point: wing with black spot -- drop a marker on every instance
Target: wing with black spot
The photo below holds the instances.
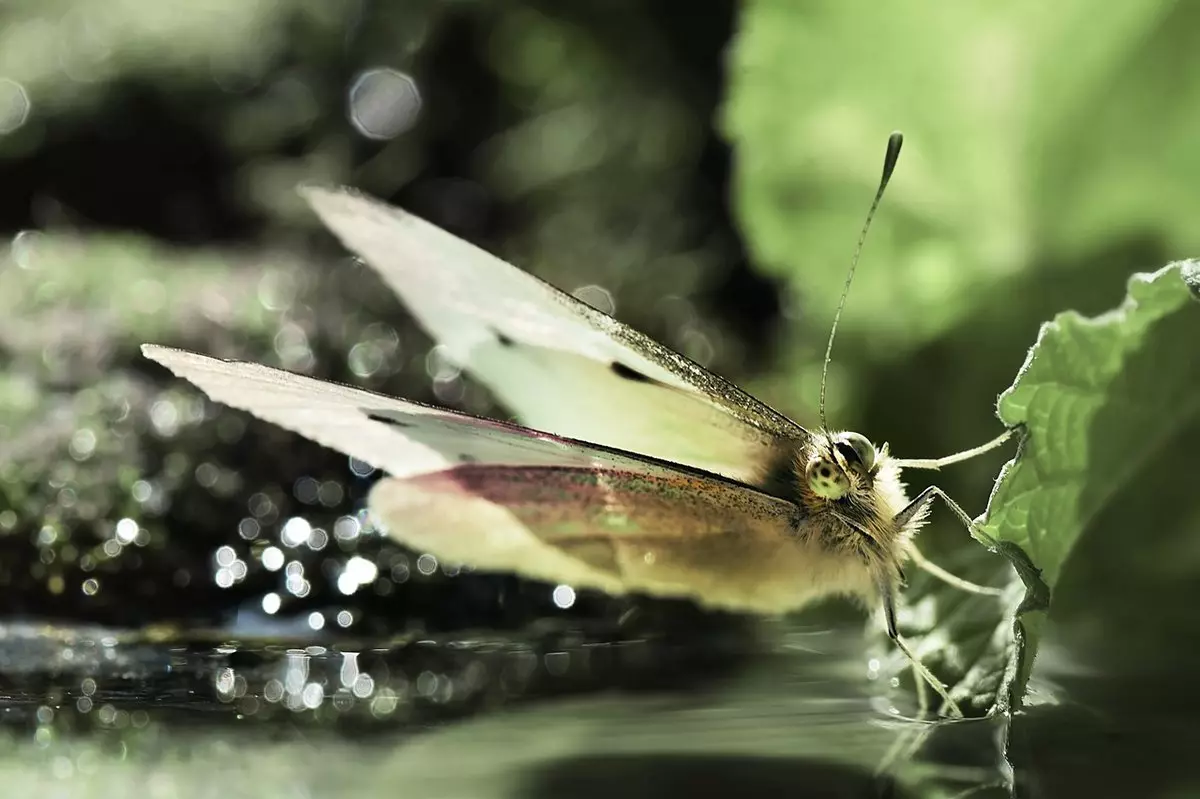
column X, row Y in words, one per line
column 557, row 363
column 400, row 437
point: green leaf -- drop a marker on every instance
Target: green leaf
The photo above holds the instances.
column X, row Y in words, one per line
column 1099, row 400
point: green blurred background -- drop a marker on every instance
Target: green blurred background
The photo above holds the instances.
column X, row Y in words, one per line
column 704, row 168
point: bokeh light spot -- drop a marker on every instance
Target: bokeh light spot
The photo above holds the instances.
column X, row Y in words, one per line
column 563, row 596
column 383, row 103
column 14, row 105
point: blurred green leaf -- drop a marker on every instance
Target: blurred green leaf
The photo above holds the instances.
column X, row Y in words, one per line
column 1100, row 399
column 1037, row 135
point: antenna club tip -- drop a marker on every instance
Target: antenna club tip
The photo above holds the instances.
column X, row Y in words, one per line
column 889, row 163
column 895, row 142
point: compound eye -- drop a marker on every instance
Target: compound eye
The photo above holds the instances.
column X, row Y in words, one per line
column 826, row 479
column 855, row 447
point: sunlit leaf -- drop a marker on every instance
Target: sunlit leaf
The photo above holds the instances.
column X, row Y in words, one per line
column 1100, row 400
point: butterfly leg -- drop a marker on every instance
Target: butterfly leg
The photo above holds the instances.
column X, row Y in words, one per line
column 919, row 668
column 948, row 578
column 916, row 508
column 958, row 457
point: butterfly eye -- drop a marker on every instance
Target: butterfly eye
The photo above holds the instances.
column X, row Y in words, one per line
column 855, row 447
column 826, row 479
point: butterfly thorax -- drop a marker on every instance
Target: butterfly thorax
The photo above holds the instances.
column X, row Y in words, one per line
column 850, row 493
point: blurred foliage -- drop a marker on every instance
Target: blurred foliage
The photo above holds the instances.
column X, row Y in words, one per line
column 1030, row 147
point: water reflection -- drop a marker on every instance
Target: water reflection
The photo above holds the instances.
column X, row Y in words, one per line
column 555, row 712
column 558, row 711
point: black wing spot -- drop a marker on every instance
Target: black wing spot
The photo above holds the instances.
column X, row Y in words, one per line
column 504, row 340
column 384, row 418
column 623, row 371
column 466, row 457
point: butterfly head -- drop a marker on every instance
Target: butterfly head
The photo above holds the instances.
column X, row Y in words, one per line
column 841, row 465
column 852, row 487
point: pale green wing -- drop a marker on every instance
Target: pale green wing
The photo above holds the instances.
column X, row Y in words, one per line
column 557, row 363
column 400, row 437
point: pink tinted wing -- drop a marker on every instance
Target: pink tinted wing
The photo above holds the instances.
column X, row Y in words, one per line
column 657, row 532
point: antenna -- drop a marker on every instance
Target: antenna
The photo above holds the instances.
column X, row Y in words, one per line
column 895, row 141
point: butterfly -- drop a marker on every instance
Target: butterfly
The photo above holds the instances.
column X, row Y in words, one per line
column 634, row 470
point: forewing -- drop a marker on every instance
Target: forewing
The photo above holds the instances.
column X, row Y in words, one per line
column 557, row 363
column 660, row 533
column 400, row 437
